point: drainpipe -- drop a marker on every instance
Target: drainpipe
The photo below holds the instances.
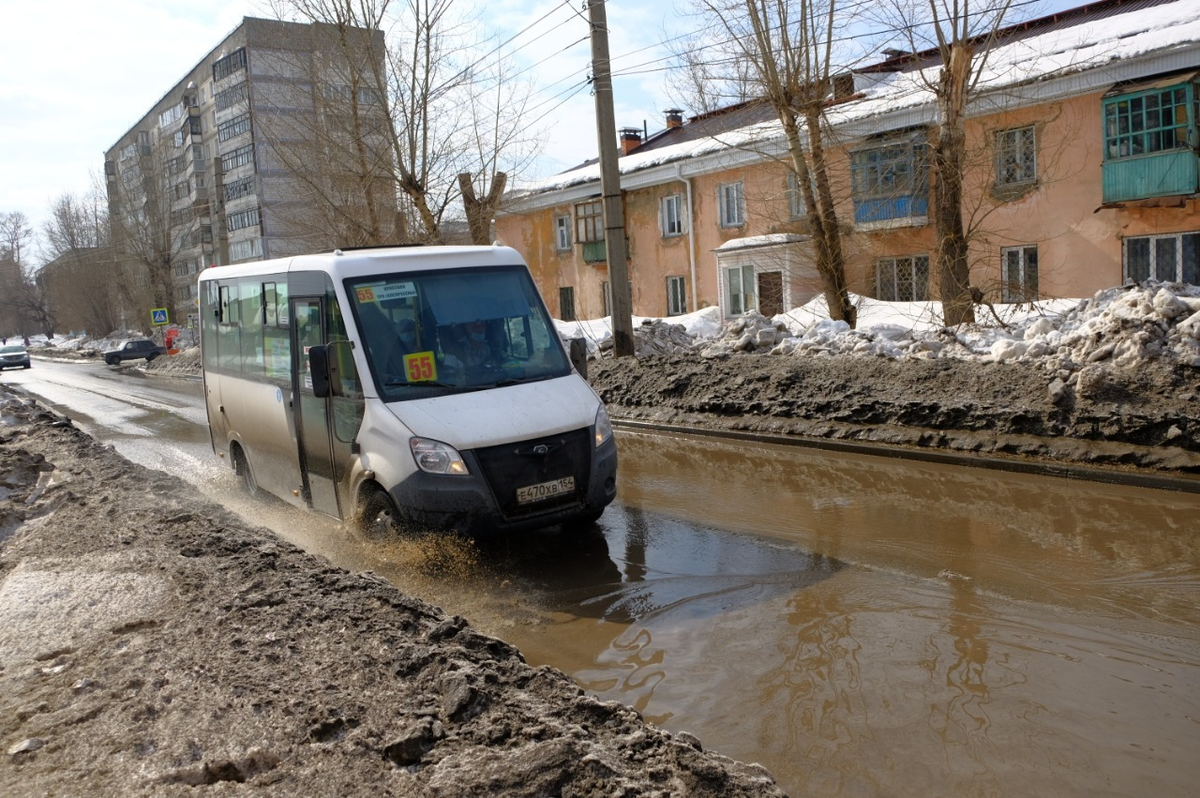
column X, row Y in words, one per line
column 687, row 181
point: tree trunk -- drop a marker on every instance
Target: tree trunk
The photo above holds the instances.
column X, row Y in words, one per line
column 831, row 263
column 480, row 211
column 954, row 270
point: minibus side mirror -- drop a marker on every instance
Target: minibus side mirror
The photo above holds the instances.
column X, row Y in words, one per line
column 318, row 367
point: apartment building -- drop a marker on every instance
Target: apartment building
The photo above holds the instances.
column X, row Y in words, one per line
column 272, row 145
column 1083, row 173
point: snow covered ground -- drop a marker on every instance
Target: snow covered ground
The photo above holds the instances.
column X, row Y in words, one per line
column 1123, row 325
column 1126, row 325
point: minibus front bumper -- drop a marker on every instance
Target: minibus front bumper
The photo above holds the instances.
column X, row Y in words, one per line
column 485, row 501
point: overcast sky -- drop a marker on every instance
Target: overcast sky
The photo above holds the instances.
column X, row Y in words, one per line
column 76, row 74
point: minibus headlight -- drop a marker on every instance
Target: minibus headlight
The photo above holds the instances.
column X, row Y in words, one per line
column 604, row 429
column 435, row 457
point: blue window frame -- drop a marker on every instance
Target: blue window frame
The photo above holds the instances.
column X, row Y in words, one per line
column 891, row 181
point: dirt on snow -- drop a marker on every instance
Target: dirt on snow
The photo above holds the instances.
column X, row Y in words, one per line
column 1144, row 418
column 153, row 642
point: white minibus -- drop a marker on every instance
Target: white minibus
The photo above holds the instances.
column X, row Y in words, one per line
column 420, row 388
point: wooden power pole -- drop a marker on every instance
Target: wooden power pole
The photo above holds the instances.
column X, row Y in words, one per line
column 610, row 184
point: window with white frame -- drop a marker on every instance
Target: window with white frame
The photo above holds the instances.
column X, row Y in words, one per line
column 239, row 157
column 731, row 203
column 739, row 286
column 1016, row 156
column 589, row 221
column 244, row 250
column 1019, row 282
column 1174, row 257
column 671, row 215
column 242, row 219
column 676, row 296
column 234, row 127
column 903, row 279
column 797, row 206
column 562, row 233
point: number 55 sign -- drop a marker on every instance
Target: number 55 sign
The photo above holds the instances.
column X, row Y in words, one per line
column 158, row 316
column 420, row 367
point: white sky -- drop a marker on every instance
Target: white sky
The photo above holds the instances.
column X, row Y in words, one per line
column 76, row 74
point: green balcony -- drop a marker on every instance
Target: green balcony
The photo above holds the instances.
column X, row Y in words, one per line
column 1161, row 174
column 595, row 252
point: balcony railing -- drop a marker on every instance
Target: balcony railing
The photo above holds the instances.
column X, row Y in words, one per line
column 1160, row 174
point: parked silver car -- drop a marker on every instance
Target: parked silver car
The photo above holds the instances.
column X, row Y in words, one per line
column 14, row 355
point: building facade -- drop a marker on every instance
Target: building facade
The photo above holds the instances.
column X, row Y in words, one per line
column 1082, row 173
column 272, row 145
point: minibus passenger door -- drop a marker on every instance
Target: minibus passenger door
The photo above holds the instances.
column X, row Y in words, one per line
column 312, row 412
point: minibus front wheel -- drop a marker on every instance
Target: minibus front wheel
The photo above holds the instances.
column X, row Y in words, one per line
column 377, row 515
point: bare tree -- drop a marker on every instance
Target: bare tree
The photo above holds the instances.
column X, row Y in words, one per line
column 963, row 34
column 22, row 308
column 80, row 276
column 450, row 110
column 789, row 47
column 148, row 237
column 705, row 77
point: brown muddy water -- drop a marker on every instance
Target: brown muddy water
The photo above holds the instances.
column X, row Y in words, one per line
column 861, row 626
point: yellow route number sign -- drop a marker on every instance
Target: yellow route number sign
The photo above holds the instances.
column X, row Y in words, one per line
column 420, row 367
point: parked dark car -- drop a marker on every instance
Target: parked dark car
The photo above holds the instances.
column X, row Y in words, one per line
column 134, row 349
column 13, row 355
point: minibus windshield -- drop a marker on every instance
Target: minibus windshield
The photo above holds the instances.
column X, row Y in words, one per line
column 437, row 332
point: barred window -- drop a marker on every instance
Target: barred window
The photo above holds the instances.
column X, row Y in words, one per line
column 231, row 97
column 239, row 157
column 234, row 127
column 1174, row 257
column 234, row 62
column 903, row 279
column 1020, row 279
column 1016, row 156
column 243, row 187
column 242, row 219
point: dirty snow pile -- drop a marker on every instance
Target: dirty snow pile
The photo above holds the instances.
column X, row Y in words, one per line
column 1125, row 325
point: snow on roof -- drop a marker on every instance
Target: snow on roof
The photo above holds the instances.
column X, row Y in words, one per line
column 1091, row 44
column 750, row 242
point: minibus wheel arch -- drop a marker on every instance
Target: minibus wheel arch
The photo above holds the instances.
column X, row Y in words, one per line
column 241, row 467
column 375, row 515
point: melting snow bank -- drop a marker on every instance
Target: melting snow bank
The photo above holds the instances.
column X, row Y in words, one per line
column 153, row 643
column 1109, row 381
column 1126, row 325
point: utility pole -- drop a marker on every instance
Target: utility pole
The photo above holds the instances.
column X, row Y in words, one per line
column 610, row 184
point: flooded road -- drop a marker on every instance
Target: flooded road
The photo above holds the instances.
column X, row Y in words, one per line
column 859, row 625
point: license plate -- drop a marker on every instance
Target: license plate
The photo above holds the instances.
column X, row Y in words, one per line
column 545, row 490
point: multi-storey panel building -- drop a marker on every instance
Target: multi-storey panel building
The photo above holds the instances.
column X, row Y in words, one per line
column 258, row 152
column 1082, row 173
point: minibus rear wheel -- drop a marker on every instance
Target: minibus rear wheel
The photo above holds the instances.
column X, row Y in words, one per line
column 241, row 467
column 377, row 516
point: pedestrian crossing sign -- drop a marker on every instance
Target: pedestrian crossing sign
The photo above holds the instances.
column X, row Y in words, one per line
column 158, row 316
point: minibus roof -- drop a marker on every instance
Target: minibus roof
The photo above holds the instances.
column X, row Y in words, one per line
column 355, row 262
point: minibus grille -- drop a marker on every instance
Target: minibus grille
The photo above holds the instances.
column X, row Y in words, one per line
column 512, row 466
